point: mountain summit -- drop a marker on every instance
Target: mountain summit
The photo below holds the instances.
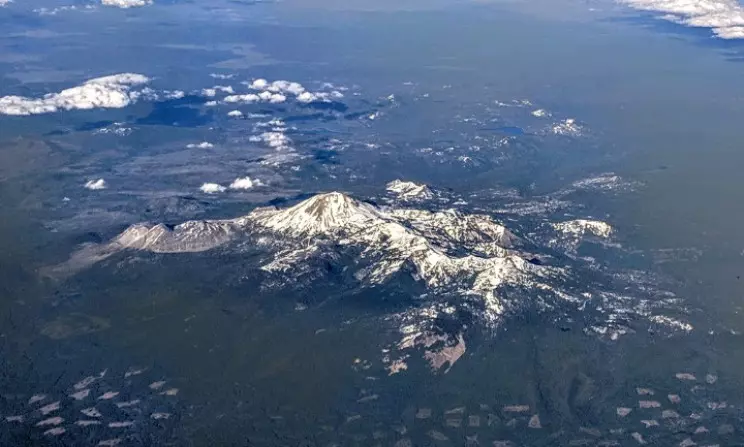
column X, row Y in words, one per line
column 319, row 214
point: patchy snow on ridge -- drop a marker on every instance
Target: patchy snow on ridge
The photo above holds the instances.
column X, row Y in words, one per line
column 571, row 234
column 580, row 227
column 409, row 190
column 602, row 181
column 567, row 127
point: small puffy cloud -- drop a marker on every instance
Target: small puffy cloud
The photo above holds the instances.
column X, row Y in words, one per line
column 258, row 84
column 540, row 113
column 724, row 17
column 247, row 99
column 308, row 97
column 276, row 140
column 212, row 188
column 221, row 76
column 275, row 92
column 115, row 91
column 235, row 114
column 244, row 183
column 173, row 94
column 57, row 10
column 250, row 98
column 126, row 3
column 212, row 92
column 202, row 145
column 286, row 87
column 295, row 89
column 274, row 98
column 95, row 185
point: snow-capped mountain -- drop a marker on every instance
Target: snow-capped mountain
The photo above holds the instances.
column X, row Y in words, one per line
column 467, row 263
column 447, row 251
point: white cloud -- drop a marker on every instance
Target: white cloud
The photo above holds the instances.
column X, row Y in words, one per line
column 244, row 183
column 274, row 98
column 113, row 91
column 5, row 2
column 95, row 184
column 540, row 113
column 173, row 94
column 724, row 17
column 202, row 145
column 55, row 11
column 212, row 92
column 295, row 89
column 292, row 88
column 212, row 188
column 126, row 3
column 221, row 76
column 275, row 92
column 276, row 140
column 235, row 114
column 248, row 98
column 308, row 97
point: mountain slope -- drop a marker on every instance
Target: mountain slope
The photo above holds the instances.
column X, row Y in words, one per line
column 447, row 251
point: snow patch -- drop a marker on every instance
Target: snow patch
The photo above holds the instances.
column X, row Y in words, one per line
column 409, row 190
column 567, row 127
column 580, row 227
